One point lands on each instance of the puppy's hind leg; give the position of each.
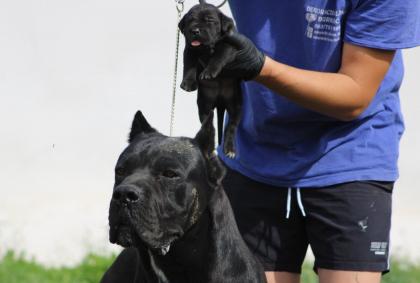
(234, 109)
(205, 105)
(220, 122)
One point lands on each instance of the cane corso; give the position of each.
(205, 54)
(170, 212)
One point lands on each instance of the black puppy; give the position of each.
(169, 210)
(205, 54)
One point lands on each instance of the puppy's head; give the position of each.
(205, 25)
(162, 186)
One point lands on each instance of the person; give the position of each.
(317, 145)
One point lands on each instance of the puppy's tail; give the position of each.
(220, 120)
(202, 1)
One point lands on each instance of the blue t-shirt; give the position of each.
(283, 144)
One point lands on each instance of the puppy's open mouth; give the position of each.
(195, 43)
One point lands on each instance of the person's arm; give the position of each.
(343, 95)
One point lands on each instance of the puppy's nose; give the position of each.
(126, 194)
(195, 31)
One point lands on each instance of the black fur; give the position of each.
(168, 192)
(205, 54)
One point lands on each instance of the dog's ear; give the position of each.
(215, 170)
(139, 126)
(205, 137)
(227, 24)
(205, 140)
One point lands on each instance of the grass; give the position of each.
(14, 269)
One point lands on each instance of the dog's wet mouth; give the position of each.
(125, 235)
(162, 246)
(163, 250)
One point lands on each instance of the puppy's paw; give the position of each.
(189, 85)
(231, 155)
(229, 148)
(209, 73)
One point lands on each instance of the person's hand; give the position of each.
(248, 61)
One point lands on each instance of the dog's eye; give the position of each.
(169, 174)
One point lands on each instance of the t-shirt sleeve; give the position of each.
(384, 24)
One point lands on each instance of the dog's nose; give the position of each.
(195, 31)
(125, 194)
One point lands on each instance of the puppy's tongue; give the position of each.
(196, 43)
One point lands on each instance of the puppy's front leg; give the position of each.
(223, 54)
(189, 81)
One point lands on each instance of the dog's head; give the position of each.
(162, 186)
(205, 25)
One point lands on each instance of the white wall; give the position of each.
(72, 75)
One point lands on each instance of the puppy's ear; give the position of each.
(139, 126)
(227, 24)
(181, 24)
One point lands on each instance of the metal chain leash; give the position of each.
(180, 8)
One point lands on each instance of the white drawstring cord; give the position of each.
(289, 201)
(299, 199)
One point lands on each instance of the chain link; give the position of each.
(223, 3)
(179, 6)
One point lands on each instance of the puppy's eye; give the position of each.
(210, 20)
(119, 171)
(169, 174)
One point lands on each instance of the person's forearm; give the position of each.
(333, 94)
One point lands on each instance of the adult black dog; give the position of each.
(169, 210)
(205, 54)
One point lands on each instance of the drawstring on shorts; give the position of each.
(289, 202)
(299, 199)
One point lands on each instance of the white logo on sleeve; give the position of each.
(323, 24)
(379, 248)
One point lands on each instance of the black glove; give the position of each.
(248, 61)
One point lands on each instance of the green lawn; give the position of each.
(16, 270)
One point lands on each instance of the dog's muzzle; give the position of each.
(126, 194)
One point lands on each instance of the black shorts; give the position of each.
(347, 225)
